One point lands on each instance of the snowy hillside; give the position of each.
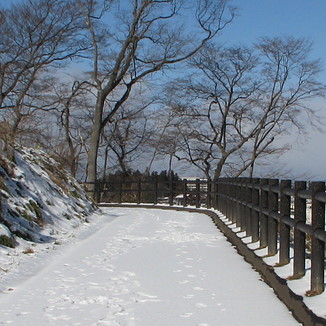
(38, 200)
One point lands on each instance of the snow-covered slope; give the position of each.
(38, 200)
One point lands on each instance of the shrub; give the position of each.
(7, 241)
(75, 194)
(8, 166)
(35, 207)
(3, 185)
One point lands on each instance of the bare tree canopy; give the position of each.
(86, 81)
(148, 38)
(238, 101)
(36, 35)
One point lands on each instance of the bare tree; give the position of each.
(73, 122)
(125, 139)
(242, 100)
(36, 35)
(164, 141)
(144, 37)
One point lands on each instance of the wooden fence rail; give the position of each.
(287, 218)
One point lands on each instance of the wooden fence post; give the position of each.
(155, 190)
(120, 190)
(170, 190)
(248, 197)
(225, 188)
(209, 194)
(237, 204)
(233, 206)
(226, 196)
(299, 242)
(197, 193)
(285, 211)
(263, 203)
(317, 246)
(184, 199)
(242, 211)
(225, 200)
(272, 223)
(254, 212)
(221, 195)
(215, 191)
(139, 190)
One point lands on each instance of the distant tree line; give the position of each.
(108, 87)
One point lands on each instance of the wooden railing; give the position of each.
(173, 192)
(287, 218)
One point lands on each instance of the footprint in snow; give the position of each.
(197, 288)
(184, 282)
(188, 296)
(186, 315)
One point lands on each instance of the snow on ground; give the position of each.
(138, 267)
(299, 286)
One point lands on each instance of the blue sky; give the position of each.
(299, 18)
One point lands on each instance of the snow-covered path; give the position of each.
(145, 268)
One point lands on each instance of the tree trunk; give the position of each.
(251, 169)
(94, 142)
(219, 167)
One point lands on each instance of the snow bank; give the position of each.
(38, 200)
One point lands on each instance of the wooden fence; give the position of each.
(287, 218)
(181, 192)
(282, 216)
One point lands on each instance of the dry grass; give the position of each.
(28, 250)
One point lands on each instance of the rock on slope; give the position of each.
(38, 200)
